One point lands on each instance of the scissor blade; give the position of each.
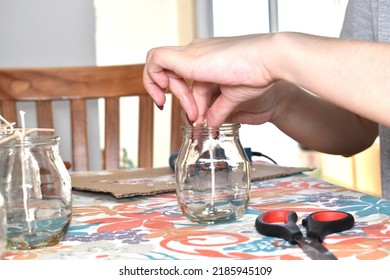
(314, 249)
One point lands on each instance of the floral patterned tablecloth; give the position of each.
(152, 227)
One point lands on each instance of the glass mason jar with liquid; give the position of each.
(212, 174)
(37, 190)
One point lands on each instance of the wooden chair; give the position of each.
(78, 84)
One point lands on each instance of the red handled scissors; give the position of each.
(282, 223)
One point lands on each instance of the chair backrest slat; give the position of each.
(79, 134)
(79, 84)
(176, 123)
(145, 130)
(8, 110)
(44, 114)
(112, 127)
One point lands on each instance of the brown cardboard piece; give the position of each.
(143, 182)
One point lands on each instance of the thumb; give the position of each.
(220, 111)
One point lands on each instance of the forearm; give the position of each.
(320, 125)
(351, 74)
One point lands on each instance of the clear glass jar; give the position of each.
(212, 174)
(37, 189)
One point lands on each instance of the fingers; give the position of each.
(158, 80)
(202, 96)
(219, 112)
(180, 88)
(155, 81)
(184, 118)
(225, 104)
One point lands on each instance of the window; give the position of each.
(239, 17)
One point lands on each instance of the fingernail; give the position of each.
(161, 107)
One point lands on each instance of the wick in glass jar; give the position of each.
(212, 174)
(212, 167)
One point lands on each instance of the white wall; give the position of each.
(125, 31)
(320, 17)
(45, 33)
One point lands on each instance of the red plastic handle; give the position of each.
(329, 216)
(322, 223)
(279, 223)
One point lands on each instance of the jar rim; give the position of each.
(223, 127)
(33, 140)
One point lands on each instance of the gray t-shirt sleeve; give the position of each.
(370, 20)
(358, 21)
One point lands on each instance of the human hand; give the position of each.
(214, 79)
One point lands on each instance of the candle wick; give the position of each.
(23, 122)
